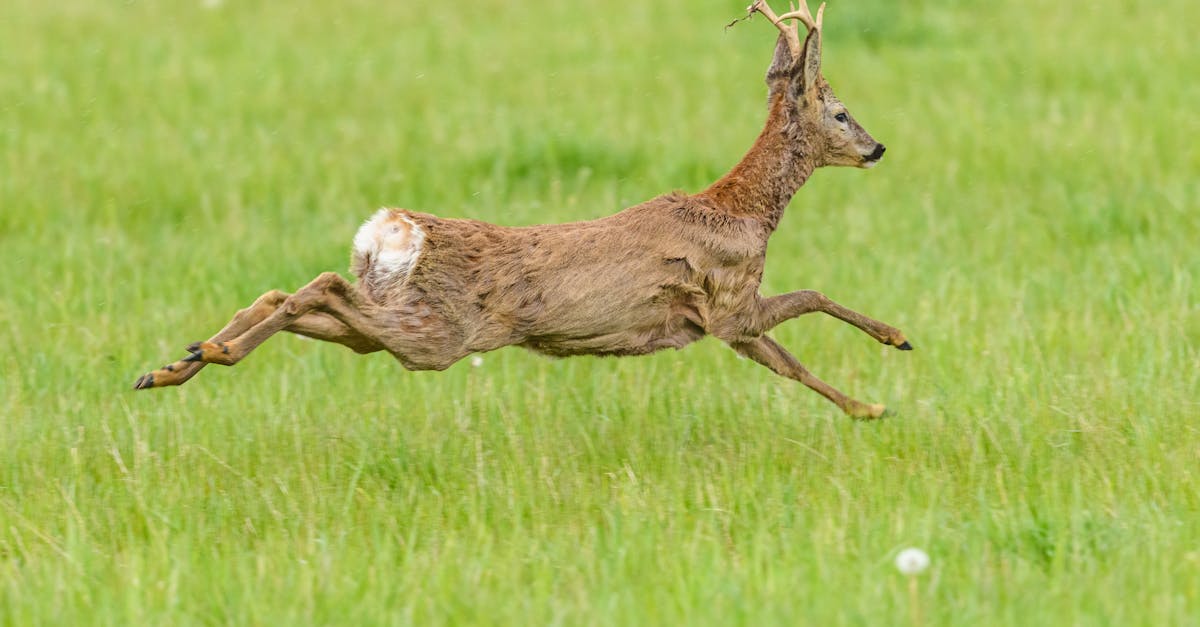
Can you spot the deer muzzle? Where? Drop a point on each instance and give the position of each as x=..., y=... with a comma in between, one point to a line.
x=873, y=158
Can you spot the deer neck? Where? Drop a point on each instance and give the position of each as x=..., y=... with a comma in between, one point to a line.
x=763, y=182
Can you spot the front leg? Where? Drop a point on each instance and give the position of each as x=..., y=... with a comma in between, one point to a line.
x=777, y=309
x=769, y=353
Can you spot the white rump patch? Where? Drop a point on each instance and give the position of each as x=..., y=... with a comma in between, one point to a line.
x=387, y=244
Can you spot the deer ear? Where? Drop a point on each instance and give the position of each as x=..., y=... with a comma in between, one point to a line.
x=782, y=65
x=809, y=66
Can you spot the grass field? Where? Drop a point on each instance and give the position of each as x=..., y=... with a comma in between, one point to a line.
x=1033, y=229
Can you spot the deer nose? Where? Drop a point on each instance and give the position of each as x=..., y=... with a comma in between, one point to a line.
x=877, y=154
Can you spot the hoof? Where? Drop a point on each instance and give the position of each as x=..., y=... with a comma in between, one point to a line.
x=145, y=381
x=866, y=411
x=905, y=346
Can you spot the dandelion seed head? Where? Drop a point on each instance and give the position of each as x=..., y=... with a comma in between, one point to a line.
x=912, y=561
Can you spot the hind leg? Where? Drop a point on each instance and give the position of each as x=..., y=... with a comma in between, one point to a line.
x=316, y=325
x=414, y=333
x=322, y=326
x=309, y=299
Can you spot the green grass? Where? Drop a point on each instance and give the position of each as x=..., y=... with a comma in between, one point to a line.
x=1033, y=230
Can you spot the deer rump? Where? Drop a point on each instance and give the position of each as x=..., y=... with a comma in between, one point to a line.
x=628, y=284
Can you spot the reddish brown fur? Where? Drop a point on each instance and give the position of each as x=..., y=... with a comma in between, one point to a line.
x=658, y=275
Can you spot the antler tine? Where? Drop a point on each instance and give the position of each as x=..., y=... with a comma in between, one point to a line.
x=791, y=33
x=805, y=16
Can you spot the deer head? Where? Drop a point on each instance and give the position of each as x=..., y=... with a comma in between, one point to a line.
x=813, y=111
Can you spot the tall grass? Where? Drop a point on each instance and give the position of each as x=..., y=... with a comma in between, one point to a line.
x=1033, y=230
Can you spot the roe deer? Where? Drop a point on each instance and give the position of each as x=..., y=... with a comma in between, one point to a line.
x=661, y=274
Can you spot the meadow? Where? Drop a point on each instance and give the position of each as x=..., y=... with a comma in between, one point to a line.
x=1033, y=230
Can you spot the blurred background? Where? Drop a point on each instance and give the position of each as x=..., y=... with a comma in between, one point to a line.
x=1033, y=230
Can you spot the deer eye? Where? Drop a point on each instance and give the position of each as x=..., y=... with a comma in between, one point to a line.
x=841, y=117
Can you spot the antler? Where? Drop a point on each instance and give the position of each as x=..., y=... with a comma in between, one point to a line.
x=791, y=33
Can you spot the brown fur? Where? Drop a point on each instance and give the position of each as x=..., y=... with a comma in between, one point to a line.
x=661, y=274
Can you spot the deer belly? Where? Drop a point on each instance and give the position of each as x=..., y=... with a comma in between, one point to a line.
x=636, y=330
x=614, y=344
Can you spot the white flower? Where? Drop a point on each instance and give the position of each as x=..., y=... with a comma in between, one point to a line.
x=912, y=561
x=476, y=361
